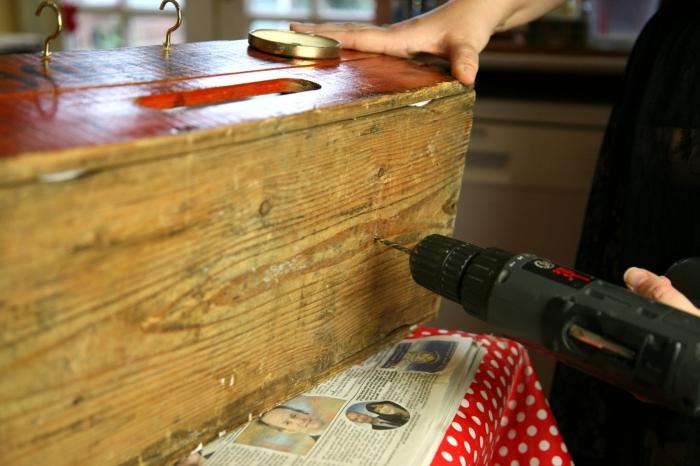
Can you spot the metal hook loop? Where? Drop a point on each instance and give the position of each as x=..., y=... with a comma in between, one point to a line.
x=59, y=26
x=166, y=44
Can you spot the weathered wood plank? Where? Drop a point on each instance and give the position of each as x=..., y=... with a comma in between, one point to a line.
x=158, y=298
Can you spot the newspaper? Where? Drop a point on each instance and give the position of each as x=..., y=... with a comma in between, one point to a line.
x=392, y=409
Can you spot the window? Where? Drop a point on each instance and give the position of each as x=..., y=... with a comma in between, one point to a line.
x=278, y=13
x=103, y=24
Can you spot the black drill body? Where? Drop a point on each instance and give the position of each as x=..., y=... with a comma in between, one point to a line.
x=648, y=348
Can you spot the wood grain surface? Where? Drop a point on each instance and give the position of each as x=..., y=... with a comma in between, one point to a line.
x=159, y=285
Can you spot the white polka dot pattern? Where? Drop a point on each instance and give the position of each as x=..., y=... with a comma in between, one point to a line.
x=504, y=418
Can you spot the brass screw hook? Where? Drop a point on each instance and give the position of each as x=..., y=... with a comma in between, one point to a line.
x=166, y=44
x=46, y=56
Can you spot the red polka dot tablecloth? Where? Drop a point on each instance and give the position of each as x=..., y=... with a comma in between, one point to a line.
x=504, y=418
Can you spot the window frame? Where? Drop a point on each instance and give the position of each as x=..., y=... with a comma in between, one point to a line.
x=203, y=19
x=126, y=12
x=316, y=13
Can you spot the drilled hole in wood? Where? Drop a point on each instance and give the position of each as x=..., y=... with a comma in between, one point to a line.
x=226, y=94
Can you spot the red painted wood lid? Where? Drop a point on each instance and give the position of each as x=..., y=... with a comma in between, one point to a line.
x=103, y=98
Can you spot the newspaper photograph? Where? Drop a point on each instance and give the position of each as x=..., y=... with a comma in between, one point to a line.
x=391, y=409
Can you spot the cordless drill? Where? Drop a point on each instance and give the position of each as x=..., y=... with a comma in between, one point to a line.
x=643, y=346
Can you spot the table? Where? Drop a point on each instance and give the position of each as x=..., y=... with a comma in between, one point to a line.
x=504, y=418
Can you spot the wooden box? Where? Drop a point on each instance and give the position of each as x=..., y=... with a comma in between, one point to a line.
x=188, y=238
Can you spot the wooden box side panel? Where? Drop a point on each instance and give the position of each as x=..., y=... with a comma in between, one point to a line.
x=149, y=306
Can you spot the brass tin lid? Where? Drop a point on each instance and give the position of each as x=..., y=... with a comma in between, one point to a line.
x=293, y=44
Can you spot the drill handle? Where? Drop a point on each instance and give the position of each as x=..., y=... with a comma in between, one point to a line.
x=646, y=347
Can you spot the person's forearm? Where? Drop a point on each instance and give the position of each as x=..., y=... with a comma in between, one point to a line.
x=473, y=20
x=501, y=14
x=523, y=11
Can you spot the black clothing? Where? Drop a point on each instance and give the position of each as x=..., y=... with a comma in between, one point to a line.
x=644, y=210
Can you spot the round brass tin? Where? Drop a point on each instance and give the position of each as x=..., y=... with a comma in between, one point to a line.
x=293, y=44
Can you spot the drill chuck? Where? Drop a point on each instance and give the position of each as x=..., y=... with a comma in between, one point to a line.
x=438, y=263
x=459, y=271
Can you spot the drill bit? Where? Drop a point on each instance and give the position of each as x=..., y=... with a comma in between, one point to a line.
x=391, y=244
